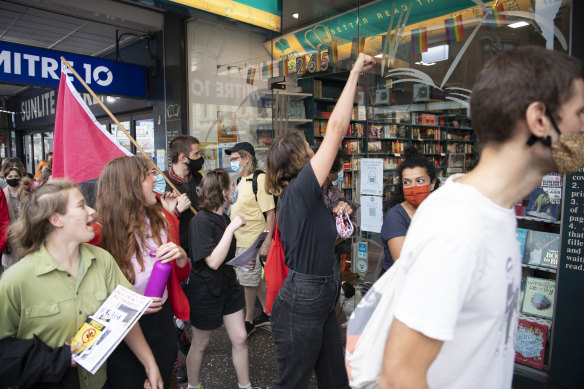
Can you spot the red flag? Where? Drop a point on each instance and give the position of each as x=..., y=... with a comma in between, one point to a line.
x=81, y=148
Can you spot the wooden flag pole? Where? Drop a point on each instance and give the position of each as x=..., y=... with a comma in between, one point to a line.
x=111, y=115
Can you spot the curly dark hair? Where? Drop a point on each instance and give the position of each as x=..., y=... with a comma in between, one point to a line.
x=412, y=159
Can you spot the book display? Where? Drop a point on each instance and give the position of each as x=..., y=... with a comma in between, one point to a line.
x=530, y=343
x=539, y=239
x=380, y=130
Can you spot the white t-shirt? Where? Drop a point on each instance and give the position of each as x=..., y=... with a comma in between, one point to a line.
x=459, y=283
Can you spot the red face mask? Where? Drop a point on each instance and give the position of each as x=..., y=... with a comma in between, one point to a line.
x=416, y=194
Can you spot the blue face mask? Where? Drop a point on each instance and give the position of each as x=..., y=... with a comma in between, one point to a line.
x=235, y=166
x=339, y=179
x=160, y=185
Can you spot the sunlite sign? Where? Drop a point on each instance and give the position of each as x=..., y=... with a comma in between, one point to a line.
x=35, y=66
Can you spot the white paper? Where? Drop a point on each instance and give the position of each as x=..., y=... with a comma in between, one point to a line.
x=117, y=315
x=248, y=255
x=371, y=176
x=371, y=213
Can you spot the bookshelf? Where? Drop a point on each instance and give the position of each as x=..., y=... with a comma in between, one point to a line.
x=538, y=233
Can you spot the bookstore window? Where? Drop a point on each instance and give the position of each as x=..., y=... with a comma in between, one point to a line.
x=418, y=94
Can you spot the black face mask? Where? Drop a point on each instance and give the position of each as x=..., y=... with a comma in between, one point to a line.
x=13, y=182
x=195, y=165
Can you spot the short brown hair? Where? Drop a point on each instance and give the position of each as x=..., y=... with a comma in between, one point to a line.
x=286, y=158
x=212, y=187
x=181, y=145
x=514, y=79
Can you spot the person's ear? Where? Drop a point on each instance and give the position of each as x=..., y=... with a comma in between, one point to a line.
x=433, y=184
x=56, y=220
x=537, y=120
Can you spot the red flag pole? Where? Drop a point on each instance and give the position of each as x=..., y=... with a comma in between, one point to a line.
x=111, y=115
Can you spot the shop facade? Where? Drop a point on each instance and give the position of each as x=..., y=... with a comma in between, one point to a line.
x=429, y=53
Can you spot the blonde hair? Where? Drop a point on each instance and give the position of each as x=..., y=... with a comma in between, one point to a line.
x=33, y=226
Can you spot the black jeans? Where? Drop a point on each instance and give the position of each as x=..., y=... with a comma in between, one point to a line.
x=306, y=333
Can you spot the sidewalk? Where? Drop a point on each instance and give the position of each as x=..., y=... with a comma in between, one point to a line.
x=217, y=371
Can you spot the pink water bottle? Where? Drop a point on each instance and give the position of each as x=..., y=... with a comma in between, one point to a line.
x=158, y=277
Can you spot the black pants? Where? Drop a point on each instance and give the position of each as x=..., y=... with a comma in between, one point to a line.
x=124, y=370
x=306, y=333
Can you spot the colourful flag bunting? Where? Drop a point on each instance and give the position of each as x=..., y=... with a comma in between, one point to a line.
x=284, y=68
x=270, y=69
x=319, y=61
x=494, y=19
x=264, y=71
x=357, y=47
x=333, y=52
x=81, y=147
x=250, y=75
x=419, y=40
x=454, y=29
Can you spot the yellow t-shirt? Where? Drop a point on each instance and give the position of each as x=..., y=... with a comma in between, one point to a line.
x=252, y=210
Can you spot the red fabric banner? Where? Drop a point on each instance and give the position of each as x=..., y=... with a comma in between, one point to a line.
x=81, y=148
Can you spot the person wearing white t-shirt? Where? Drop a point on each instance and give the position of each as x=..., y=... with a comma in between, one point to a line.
x=458, y=287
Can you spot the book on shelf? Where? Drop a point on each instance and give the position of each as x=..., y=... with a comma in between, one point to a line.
x=376, y=131
x=356, y=129
x=317, y=84
x=542, y=249
x=107, y=327
x=530, y=343
x=522, y=237
x=544, y=201
x=359, y=113
x=539, y=297
x=351, y=146
x=374, y=146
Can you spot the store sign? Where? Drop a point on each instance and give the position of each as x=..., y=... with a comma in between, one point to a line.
x=372, y=20
x=40, y=67
x=262, y=13
x=37, y=107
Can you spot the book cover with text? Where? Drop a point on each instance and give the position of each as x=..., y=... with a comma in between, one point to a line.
x=530, y=343
x=539, y=297
x=542, y=249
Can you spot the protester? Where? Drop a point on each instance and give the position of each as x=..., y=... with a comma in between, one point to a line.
x=304, y=324
x=133, y=224
x=43, y=165
x=460, y=267
x=416, y=179
x=212, y=290
x=13, y=170
x=187, y=160
x=47, y=296
x=4, y=225
x=257, y=207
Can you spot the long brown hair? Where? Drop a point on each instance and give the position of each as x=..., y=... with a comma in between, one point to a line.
x=33, y=226
x=123, y=211
x=286, y=158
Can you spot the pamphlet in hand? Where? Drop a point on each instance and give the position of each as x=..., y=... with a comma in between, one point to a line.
x=248, y=255
x=106, y=328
